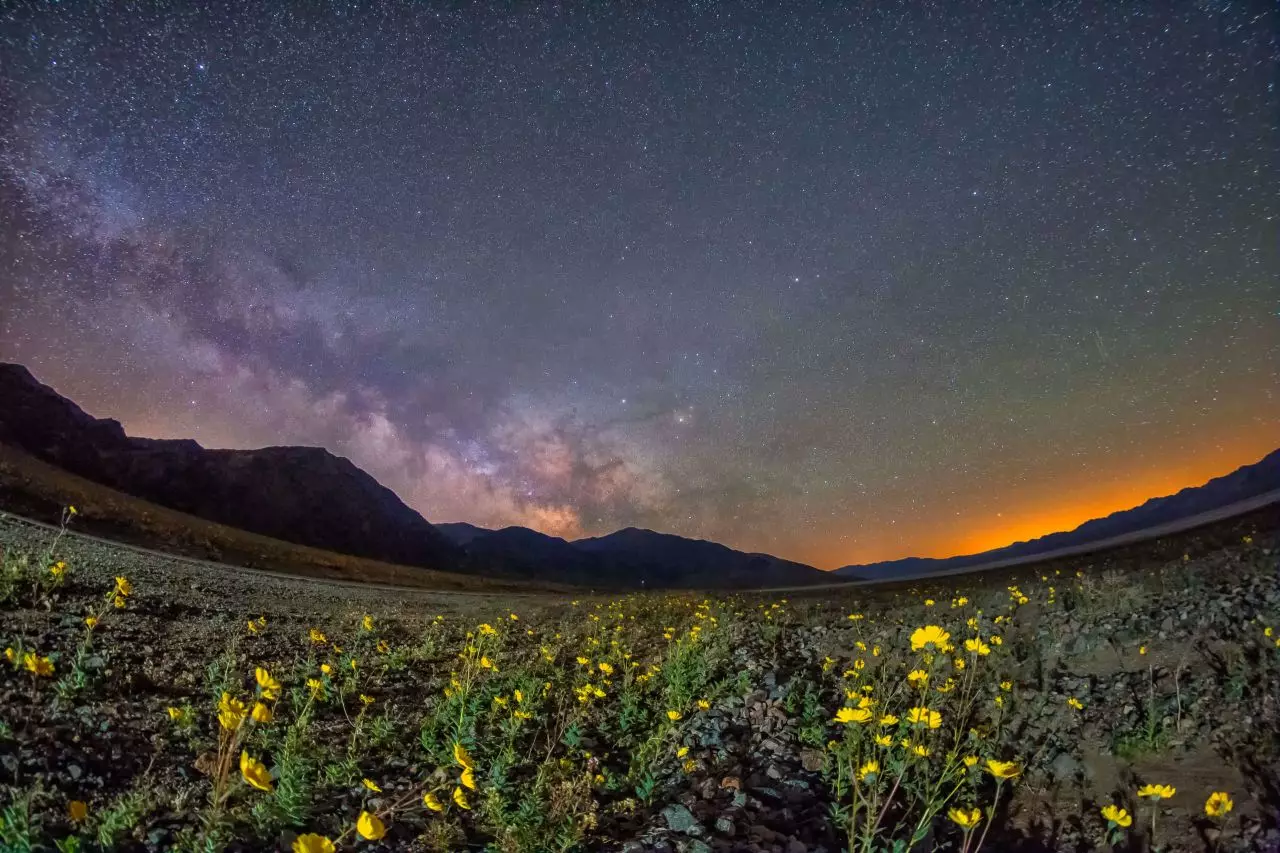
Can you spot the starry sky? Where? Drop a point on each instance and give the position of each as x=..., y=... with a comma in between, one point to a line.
x=837, y=281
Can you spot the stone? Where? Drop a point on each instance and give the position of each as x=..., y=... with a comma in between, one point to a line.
x=680, y=819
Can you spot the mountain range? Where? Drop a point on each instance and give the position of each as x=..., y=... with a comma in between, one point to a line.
x=1242, y=484
x=309, y=496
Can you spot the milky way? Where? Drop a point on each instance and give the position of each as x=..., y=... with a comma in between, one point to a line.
x=840, y=283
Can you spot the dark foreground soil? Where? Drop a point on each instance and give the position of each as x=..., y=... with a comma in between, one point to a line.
x=1164, y=647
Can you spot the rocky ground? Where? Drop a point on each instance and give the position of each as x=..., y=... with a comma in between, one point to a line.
x=1163, y=647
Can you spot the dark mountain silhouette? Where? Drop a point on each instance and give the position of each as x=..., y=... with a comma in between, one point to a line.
x=527, y=554
x=632, y=556
x=303, y=495
x=460, y=533
x=309, y=496
x=663, y=558
x=1246, y=482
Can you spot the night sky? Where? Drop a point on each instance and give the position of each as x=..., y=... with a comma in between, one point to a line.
x=840, y=282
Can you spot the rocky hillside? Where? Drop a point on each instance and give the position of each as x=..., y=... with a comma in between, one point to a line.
x=303, y=495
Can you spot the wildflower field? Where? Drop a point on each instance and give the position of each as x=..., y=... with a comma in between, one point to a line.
x=1127, y=702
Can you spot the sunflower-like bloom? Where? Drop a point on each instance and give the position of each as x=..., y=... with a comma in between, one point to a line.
x=930, y=637
x=924, y=717
x=1003, y=769
x=231, y=712
x=255, y=772
x=1157, y=792
x=460, y=799
x=966, y=819
x=370, y=826
x=1116, y=816
x=1218, y=804
x=852, y=715
x=312, y=843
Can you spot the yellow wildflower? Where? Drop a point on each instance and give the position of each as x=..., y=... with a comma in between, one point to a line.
x=36, y=665
x=265, y=681
x=463, y=758
x=674, y=715
x=966, y=819
x=254, y=772
x=703, y=705
x=870, y=768
x=917, y=676
x=1075, y=703
x=317, y=636
x=1218, y=804
x=1157, y=792
x=231, y=712
x=924, y=717
x=1003, y=769
x=469, y=778
x=977, y=647
x=1116, y=816
x=852, y=715
x=371, y=785
x=312, y=843
x=367, y=622
x=261, y=713
x=432, y=802
x=370, y=826
x=929, y=637
x=77, y=810
x=91, y=622
x=123, y=587
x=461, y=799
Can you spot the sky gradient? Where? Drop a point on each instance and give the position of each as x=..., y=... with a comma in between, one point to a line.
x=839, y=283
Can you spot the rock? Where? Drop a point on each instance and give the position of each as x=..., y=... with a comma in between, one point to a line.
x=693, y=846
x=680, y=819
x=725, y=825
x=1065, y=766
x=811, y=759
x=794, y=846
x=771, y=745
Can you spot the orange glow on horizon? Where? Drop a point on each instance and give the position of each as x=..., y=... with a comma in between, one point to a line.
x=1053, y=507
